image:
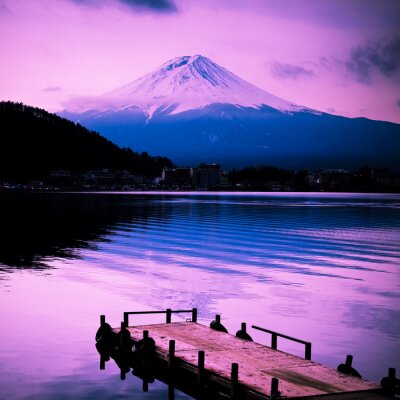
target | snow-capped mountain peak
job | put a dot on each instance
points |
(191, 82)
(192, 110)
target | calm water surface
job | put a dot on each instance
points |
(321, 267)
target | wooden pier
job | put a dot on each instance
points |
(204, 360)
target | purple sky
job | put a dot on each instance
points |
(340, 56)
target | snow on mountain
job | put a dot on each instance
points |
(190, 82)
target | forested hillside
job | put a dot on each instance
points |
(34, 142)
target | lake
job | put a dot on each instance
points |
(323, 267)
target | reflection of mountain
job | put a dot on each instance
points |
(35, 226)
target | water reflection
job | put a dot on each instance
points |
(36, 227)
(324, 268)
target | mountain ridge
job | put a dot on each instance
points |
(192, 110)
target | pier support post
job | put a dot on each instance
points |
(102, 364)
(171, 357)
(274, 388)
(171, 391)
(126, 318)
(274, 341)
(194, 315)
(390, 384)
(169, 314)
(121, 337)
(234, 381)
(200, 372)
(308, 351)
(145, 340)
(102, 320)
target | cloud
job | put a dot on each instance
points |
(155, 5)
(160, 6)
(381, 56)
(290, 71)
(3, 8)
(52, 89)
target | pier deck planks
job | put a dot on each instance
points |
(258, 364)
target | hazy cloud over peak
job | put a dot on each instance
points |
(381, 55)
(290, 71)
(161, 6)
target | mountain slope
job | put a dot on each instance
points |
(193, 110)
(34, 142)
(186, 83)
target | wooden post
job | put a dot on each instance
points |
(102, 320)
(145, 385)
(121, 336)
(194, 315)
(123, 375)
(349, 360)
(169, 313)
(218, 319)
(171, 356)
(392, 373)
(274, 387)
(126, 318)
(102, 363)
(171, 391)
(243, 329)
(200, 370)
(308, 351)
(274, 341)
(145, 339)
(234, 380)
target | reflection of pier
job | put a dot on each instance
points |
(212, 364)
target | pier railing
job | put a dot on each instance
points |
(274, 340)
(168, 314)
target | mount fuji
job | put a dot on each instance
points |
(192, 110)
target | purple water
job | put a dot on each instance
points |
(321, 267)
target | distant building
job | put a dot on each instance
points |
(177, 177)
(334, 178)
(386, 177)
(207, 175)
(313, 179)
(102, 177)
(60, 173)
(223, 180)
